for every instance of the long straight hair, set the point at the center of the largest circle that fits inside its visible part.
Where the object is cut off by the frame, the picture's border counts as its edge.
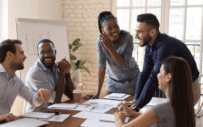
(180, 91)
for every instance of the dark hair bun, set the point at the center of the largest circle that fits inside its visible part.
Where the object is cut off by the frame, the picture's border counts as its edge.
(102, 16)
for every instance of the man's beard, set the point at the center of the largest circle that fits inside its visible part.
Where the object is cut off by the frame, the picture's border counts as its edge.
(50, 66)
(146, 40)
(17, 66)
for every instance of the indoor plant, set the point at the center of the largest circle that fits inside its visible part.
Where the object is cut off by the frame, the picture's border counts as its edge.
(77, 64)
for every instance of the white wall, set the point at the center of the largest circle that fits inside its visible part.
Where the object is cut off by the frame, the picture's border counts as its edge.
(35, 9)
(4, 19)
(81, 17)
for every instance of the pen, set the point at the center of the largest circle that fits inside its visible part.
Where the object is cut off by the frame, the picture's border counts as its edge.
(120, 107)
(92, 108)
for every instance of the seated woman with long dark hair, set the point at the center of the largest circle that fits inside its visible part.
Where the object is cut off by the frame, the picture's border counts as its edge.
(175, 80)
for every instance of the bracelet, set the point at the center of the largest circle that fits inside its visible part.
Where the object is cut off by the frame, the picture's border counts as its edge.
(68, 75)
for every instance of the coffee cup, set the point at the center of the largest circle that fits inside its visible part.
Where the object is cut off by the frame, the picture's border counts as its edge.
(77, 95)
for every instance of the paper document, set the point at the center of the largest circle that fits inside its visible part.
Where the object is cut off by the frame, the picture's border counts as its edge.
(63, 106)
(88, 115)
(157, 100)
(25, 122)
(101, 105)
(117, 96)
(145, 108)
(79, 108)
(59, 118)
(97, 123)
(40, 115)
(110, 118)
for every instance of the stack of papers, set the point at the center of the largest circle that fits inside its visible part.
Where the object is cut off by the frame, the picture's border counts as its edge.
(26, 122)
(97, 119)
(39, 115)
(110, 118)
(97, 123)
(64, 106)
(88, 115)
(117, 96)
(100, 116)
(79, 108)
(59, 118)
(156, 101)
(100, 105)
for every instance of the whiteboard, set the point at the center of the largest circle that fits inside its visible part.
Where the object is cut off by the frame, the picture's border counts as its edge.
(31, 31)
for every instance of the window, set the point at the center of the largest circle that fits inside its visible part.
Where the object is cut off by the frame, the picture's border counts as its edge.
(181, 19)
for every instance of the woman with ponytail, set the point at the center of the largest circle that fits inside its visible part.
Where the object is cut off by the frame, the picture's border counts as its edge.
(115, 47)
(175, 80)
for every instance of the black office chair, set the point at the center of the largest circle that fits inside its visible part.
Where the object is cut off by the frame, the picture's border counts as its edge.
(159, 93)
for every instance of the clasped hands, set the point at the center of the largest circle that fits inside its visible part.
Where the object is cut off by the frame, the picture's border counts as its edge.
(64, 66)
(125, 111)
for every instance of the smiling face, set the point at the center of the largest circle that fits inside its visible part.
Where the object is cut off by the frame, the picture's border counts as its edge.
(112, 29)
(18, 58)
(47, 54)
(143, 34)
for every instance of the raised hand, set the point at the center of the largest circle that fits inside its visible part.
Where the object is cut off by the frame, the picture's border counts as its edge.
(44, 94)
(106, 41)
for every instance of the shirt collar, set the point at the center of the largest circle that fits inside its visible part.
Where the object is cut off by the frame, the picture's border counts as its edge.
(2, 69)
(42, 65)
(156, 40)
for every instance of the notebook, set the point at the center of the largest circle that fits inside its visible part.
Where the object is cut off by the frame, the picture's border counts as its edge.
(63, 106)
(110, 118)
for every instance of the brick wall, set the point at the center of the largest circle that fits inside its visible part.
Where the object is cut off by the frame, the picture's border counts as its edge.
(81, 17)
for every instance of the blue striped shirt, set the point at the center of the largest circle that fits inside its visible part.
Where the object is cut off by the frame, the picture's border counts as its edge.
(38, 77)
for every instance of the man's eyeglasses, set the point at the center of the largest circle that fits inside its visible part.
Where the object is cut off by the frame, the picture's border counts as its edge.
(138, 32)
(50, 52)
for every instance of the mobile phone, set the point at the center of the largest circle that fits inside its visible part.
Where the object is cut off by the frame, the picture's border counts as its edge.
(56, 113)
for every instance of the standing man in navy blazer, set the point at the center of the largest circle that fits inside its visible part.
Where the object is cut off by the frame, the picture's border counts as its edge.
(158, 47)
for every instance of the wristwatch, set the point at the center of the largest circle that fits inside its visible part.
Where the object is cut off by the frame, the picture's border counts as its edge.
(134, 107)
